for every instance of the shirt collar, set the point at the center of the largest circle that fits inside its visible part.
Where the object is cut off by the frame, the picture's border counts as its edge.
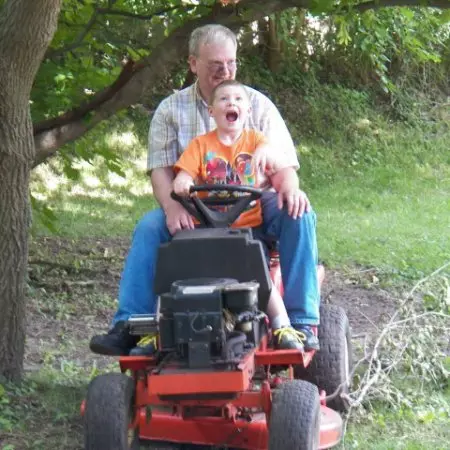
(198, 97)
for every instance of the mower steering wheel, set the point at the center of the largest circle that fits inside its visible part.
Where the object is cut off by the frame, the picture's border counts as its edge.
(199, 207)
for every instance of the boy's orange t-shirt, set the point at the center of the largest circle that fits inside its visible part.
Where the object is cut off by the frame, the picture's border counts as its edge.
(209, 161)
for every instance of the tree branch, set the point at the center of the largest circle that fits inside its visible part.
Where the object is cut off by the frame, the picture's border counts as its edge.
(51, 134)
(126, 42)
(52, 53)
(80, 112)
(78, 40)
(117, 12)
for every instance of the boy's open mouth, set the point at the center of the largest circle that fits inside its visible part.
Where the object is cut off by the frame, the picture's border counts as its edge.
(232, 116)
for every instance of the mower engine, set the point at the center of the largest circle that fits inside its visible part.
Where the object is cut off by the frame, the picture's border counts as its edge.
(211, 321)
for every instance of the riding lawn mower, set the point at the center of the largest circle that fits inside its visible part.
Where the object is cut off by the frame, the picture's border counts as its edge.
(216, 380)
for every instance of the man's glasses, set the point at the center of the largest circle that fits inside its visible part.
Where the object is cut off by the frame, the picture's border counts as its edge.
(217, 66)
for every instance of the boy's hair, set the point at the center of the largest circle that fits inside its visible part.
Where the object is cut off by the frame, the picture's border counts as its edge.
(226, 83)
(207, 34)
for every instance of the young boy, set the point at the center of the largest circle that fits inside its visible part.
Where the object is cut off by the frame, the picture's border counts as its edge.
(224, 156)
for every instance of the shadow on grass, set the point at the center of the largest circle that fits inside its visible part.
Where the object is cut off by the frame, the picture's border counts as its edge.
(41, 414)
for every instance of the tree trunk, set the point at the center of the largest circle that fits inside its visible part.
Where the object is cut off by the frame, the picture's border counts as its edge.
(300, 39)
(263, 36)
(248, 37)
(274, 46)
(26, 29)
(16, 152)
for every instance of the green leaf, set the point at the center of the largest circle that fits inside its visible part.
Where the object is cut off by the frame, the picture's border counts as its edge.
(408, 13)
(60, 77)
(44, 214)
(426, 416)
(71, 173)
(444, 16)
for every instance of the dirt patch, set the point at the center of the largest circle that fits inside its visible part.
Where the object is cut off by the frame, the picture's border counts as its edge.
(367, 307)
(72, 295)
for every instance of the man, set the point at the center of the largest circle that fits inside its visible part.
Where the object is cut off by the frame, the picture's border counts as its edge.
(287, 215)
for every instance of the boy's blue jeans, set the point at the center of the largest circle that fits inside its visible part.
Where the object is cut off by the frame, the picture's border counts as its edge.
(298, 258)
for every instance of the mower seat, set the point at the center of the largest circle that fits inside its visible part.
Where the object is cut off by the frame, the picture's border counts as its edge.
(213, 253)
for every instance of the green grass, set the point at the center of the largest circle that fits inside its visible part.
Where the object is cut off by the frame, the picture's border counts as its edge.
(390, 214)
(89, 200)
(400, 229)
(420, 426)
(44, 411)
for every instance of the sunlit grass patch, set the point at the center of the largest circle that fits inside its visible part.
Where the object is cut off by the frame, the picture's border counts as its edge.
(392, 214)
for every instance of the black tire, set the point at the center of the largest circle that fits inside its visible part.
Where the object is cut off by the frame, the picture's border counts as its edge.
(332, 364)
(108, 413)
(295, 417)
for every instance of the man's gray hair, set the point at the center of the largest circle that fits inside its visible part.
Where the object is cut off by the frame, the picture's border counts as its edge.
(208, 34)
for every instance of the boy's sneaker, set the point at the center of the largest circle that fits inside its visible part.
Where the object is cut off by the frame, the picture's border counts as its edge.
(117, 342)
(288, 338)
(310, 341)
(147, 346)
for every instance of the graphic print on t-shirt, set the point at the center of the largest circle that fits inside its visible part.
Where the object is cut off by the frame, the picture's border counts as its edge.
(219, 171)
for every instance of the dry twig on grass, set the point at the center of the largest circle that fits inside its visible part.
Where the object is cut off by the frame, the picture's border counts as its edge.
(396, 348)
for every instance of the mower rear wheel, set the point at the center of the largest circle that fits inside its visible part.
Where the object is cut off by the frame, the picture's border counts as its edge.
(331, 366)
(108, 413)
(295, 417)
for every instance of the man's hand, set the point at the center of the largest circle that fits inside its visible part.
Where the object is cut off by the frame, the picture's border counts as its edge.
(182, 183)
(285, 182)
(177, 218)
(295, 200)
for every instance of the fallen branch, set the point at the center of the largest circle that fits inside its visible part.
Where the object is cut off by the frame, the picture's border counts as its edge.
(71, 268)
(87, 283)
(406, 328)
(53, 265)
(424, 280)
(345, 383)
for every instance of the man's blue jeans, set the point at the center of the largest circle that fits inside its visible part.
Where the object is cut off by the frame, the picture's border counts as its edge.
(298, 258)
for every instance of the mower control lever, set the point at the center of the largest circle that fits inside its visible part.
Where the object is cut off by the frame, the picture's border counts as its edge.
(200, 207)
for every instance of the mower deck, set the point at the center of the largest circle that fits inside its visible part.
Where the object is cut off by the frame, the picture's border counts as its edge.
(220, 432)
(217, 407)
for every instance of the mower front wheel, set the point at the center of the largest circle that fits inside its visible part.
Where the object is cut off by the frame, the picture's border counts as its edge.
(295, 417)
(109, 412)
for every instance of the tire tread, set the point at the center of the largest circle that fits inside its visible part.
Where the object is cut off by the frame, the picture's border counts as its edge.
(294, 421)
(107, 416)
(327, 368)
